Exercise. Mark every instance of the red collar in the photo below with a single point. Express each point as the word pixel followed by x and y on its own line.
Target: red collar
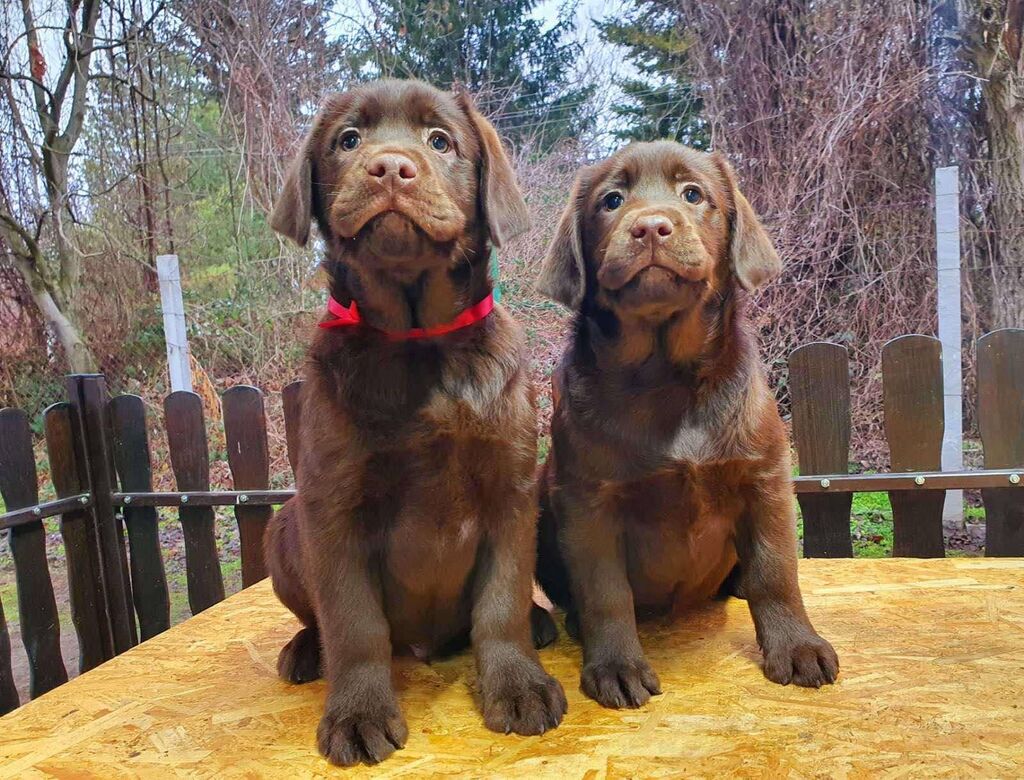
pixel 345 316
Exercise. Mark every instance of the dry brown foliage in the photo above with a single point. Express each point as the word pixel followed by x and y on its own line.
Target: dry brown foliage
pixel 822 107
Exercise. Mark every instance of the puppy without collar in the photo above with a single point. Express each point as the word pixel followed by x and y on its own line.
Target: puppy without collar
pixel 669 466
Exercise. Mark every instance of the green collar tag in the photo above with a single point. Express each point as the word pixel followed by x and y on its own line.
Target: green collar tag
pixel 494 275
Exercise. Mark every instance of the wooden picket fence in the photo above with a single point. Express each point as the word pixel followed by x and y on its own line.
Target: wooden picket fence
pixel 100 467
pixel 913 406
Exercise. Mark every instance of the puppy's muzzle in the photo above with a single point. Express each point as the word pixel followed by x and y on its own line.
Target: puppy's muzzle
pixel 391 172
pixel 654 240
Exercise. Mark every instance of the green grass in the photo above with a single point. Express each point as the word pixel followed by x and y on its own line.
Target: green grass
pixel 870 525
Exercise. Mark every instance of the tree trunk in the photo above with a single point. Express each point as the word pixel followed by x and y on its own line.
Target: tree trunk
pixel 79 356
pixel 992 31
pixel 1005 102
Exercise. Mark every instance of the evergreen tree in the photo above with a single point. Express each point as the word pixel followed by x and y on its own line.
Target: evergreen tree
pixel 660 102
pixel 521 74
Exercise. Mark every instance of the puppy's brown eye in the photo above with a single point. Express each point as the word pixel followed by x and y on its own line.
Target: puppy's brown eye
pixel 693 195
pixel 613 200
pixel 439 141
pixel 349 140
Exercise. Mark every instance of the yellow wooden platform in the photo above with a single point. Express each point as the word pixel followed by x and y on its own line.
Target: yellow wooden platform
pixel 932 684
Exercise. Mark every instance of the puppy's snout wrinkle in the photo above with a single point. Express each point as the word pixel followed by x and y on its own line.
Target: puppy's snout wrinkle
pixel 653 228
pixel 391 169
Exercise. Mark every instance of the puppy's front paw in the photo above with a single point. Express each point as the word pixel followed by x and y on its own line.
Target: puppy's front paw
pixel 805 659
pixel 620 682
pixel 349 733
pixel 524 699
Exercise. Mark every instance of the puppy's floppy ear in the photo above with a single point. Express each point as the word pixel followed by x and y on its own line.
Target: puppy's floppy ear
pixel 293 209
pixel 751 253
pixel 502 201
pixel 563 275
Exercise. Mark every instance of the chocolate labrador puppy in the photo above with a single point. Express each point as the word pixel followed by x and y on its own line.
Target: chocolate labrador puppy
pixel 415 520
pixel 669 472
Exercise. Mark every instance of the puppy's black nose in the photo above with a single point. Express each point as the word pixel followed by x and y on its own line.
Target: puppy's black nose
pixel 391 167
pixel 651 228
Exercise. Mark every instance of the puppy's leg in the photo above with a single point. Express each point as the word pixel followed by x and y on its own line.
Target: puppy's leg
pixel 766 543
pixel 551 572
pixel 516 693
pixel 615 672
pixel 362 721
pixel 299 660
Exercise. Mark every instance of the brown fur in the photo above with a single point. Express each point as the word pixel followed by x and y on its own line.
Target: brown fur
pixel 415 519
pixel 669 464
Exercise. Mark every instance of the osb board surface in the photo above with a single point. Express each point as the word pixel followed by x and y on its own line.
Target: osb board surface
pixel 932 684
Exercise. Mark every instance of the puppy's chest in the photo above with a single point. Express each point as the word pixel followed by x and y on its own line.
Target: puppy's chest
pixel 679 495
pixel 438 500
pixel 679 526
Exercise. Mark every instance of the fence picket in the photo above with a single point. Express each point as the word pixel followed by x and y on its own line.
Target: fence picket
pixel 245 427
pixel 37 607
pixel 131 457
pixel 8 690
pixel 190 461
pixel 88 397
pixel 914 423
pixel 84 586
pixel 1001 419
pixel 291 397
pixel 819 385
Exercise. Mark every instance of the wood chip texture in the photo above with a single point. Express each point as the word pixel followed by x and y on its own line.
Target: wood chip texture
pixel 932 685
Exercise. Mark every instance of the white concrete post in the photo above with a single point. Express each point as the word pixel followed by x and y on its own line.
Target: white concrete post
pixel 947 248
pixel 174 322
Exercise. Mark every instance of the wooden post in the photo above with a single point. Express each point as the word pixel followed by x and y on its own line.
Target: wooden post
pixel 85 589
pixel 87 394
pixel 131 457
pixel 291 397
pixel 1001 420
pixel 912 393
pixel 245 427
pixel 819 386
pixel 174 322
pixel 37 607
pixel 947 251
pixel 190 461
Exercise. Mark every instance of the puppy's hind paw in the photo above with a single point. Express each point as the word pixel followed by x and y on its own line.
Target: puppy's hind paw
pixel 299 660
pixel 806 660
pixel 542 627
